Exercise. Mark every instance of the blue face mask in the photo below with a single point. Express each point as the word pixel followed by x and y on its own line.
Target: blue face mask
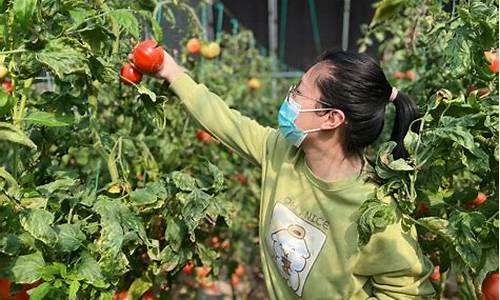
pixel 289 112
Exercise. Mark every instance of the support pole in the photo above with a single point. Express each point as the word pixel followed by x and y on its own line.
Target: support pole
pixel 273 40
pixel 207 20
pixel 345 25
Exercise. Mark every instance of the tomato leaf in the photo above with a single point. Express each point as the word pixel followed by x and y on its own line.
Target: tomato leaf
pixel 59 184
pixel 64 56
pixel 155 25
pixel 49 119
pixel 127 21
pixel 183 181
pixel 13 134
pixel 460 227
pixel 39 292
pixel 112 237
pixel 69 237
pixel 38 223
pixel 26 268
pixel 74 287
pixel 23 11
pixel 89 269
pixel 6 102
pixel 54 270
pixel 207 255
pixel 385 9
pixel 138 287
pixel 9 244
pixel 175 233
pixel 375 216
pixel 144 91
pixel 217 177
pixel 169 259
pixel 79 15
pixel 9 179
pixel 149 194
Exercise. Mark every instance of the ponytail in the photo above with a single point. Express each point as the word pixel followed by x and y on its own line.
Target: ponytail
pixel 406 113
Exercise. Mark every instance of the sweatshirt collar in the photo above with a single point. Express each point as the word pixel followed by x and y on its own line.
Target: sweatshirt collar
pixel 336 185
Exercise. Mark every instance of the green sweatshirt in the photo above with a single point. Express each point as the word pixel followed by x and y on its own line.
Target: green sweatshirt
pixel 308 227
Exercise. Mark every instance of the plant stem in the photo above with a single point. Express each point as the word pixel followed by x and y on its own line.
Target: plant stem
pixel 12 51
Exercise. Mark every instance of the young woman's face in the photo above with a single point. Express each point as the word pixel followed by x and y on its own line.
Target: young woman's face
pixel 307 94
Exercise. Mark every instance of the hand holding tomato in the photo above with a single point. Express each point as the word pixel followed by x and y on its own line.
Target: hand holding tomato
pixel 151 59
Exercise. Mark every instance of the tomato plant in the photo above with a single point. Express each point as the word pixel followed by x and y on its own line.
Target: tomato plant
pixel 103 186
pixel 453 146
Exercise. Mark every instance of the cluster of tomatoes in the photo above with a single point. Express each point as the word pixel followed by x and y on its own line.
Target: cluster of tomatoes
pixel 202 272
pixel 410 74
pixel 489 288
pixel 477 201
pixel 6 83
pixel 148 58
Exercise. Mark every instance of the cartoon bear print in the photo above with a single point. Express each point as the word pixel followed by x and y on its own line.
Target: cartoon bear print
pixel 291 253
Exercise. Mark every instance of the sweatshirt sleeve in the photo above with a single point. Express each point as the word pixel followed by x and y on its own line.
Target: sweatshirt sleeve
pixel 395 265
pixel 242 134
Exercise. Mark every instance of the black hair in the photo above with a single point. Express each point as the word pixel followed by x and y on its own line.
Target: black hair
pixel 356 85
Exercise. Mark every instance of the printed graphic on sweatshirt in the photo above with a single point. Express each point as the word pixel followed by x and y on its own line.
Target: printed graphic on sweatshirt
pixel 295 245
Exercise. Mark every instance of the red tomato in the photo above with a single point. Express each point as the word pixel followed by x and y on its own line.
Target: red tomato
pixel 241 178
pixel 203 136
pixel 193 46
pixel 129 74
pixel 121 295
pixel 147 57
pixel 7 86
pixel 225 244
pixel 436 275
pixel 423 208
pixel 240 270
pixel 202 271
pixel 235 280
pixel 215 241
pixel 188 268
pixel 480 198
pixel 489 288
pixel 494 65
pixel 410 74
pixel 148 296
pixel 399 75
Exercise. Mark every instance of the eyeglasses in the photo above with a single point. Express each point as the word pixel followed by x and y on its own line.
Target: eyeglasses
pixel 292 92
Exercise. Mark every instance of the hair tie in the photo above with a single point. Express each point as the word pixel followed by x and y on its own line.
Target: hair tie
pixel 393 94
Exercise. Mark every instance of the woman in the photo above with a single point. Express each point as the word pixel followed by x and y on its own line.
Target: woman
pixel 313 180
